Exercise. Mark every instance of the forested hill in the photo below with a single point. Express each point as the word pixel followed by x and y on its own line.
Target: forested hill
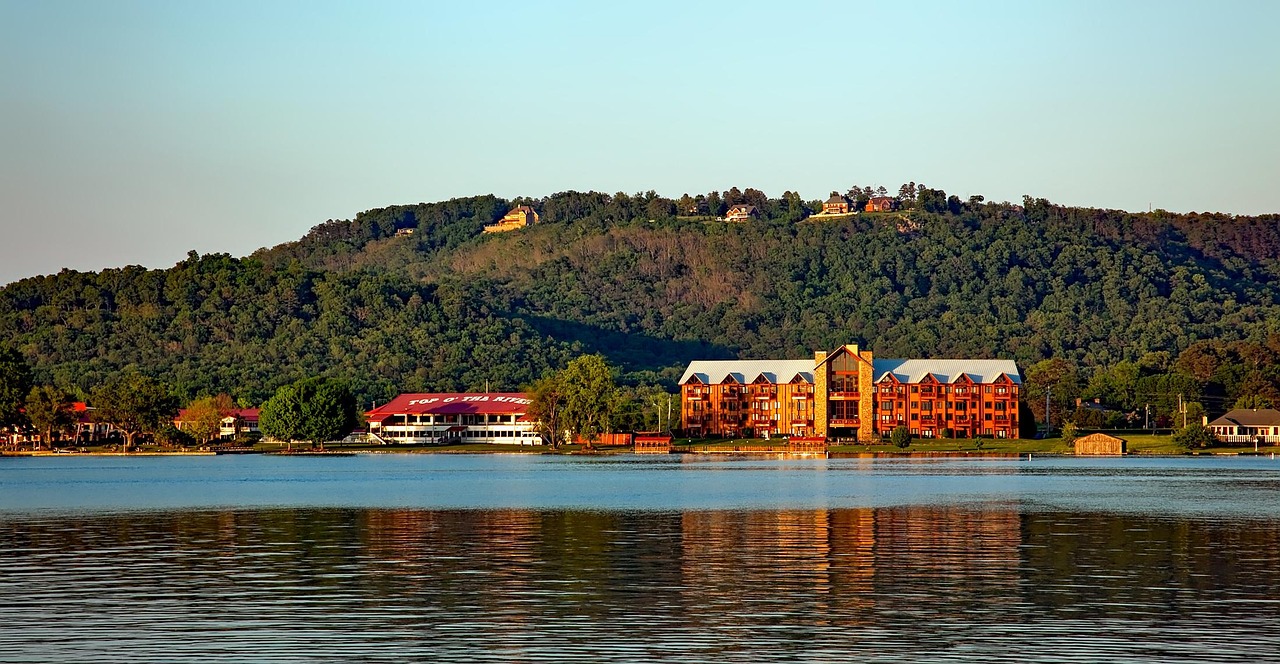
pixel 449 308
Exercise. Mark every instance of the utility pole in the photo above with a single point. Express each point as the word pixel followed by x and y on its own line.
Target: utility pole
pixel 1146 424
pixel 1182 408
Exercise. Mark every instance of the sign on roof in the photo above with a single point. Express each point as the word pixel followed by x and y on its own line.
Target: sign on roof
pixel 506 403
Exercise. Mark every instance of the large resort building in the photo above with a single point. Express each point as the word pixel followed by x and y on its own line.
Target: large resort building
pixel 455 418
pixel 848 394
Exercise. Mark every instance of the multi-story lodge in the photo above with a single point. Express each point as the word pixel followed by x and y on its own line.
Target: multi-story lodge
pixel 455 418
pixel 517 218
pixel 849 394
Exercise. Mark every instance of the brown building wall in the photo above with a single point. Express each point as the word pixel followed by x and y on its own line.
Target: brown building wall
pixel 820 394
pixel 926 408
pixel 1100 444
pixel 866 404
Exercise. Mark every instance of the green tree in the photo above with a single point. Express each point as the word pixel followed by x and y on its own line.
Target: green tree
pixel 1253 401
pixel 900 437
pixel 169 435
pixel 50 411
pixel 1194 436
pixel 1070 432
pixel 133 404
pixel 1058 377
pixel 203 417
pixel 590 396
pixel 546 403
pixel 1193 412
pixel 314 410
pixel 15 386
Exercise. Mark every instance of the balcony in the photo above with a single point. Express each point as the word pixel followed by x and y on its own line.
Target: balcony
pixel 844 422
pixel 845 396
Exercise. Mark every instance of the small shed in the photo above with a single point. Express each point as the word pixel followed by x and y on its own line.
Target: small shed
pixel 652 443
pixel 807 445
pixel 1100 444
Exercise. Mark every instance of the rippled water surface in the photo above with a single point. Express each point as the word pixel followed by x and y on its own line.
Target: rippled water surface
pixel 522 559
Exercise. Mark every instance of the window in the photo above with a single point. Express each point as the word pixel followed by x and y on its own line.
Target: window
pixel 845 364
pixel 915 417
pixel 988 418
pixel 915 404
pixel 844 383
pixel 914 389
pixel 987 389
pixel 887 405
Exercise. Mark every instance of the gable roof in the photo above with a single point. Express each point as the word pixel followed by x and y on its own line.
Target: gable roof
pixel 946 371
pixel 711 372
pixel 1249 417
pixel 837 198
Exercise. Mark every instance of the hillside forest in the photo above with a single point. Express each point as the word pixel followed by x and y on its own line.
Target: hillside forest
pixel 1160 313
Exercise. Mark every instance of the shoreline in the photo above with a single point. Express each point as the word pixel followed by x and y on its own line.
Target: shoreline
pixel 923 454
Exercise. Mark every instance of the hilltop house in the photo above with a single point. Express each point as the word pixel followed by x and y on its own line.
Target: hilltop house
pixel 837 204
pixel 882 204
pixel 517 218
pixel 742 212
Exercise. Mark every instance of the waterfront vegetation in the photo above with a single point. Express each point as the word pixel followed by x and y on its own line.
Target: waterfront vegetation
pixel 1138 445
pixel 1160 317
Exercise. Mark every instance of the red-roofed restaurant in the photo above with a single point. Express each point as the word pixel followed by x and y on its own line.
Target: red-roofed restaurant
pixel 455 418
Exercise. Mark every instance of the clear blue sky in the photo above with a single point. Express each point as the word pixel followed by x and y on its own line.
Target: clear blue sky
pixel 131 132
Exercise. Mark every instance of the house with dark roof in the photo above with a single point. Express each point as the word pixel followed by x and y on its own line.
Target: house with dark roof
pixel 882 204
pixel 837 204
pixel 1248 425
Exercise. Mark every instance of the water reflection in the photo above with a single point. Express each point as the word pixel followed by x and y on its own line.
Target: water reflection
pixel 935 583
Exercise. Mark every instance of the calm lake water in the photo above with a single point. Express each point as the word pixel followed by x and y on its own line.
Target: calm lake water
pixel 445 558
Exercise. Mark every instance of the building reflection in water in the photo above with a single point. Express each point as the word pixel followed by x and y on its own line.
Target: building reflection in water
pixel 620 585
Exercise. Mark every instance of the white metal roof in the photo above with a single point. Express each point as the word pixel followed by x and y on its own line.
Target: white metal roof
pixel 946 371
pixel 711 372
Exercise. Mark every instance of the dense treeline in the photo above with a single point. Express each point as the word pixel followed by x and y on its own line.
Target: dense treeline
pixel 219 324
pixel 650 282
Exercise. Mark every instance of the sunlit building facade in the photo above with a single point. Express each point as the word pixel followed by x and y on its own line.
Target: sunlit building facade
pixel 500 418
pixel 847 394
